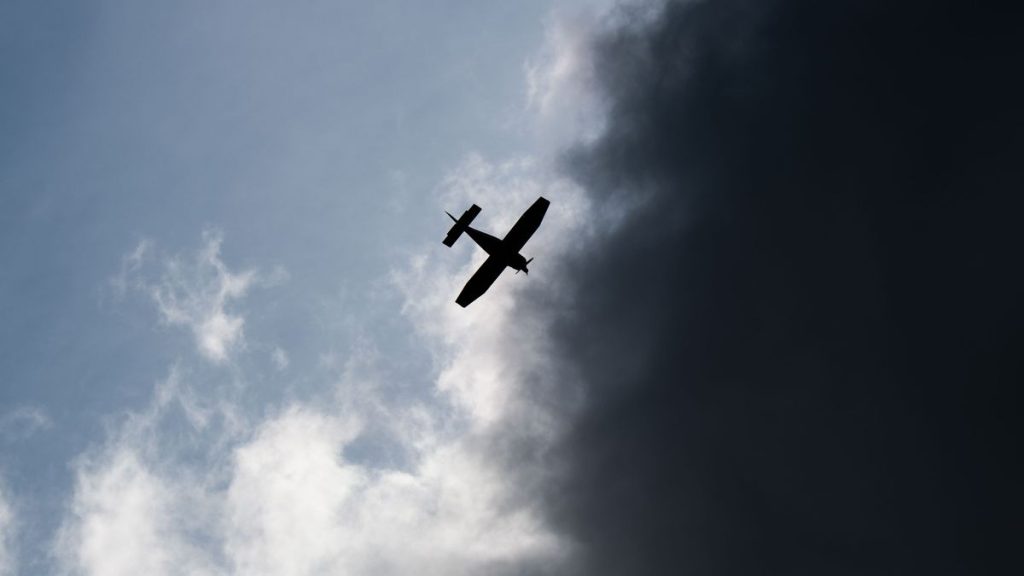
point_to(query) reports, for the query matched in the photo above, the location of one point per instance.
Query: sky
(771, 325)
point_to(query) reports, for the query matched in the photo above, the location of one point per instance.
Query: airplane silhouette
(501, 253)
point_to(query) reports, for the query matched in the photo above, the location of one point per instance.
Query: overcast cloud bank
(796, 349)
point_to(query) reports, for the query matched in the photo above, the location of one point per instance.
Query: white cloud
(560, 93)
(284, 500)
(195, 293)
(287, 489)
(135, 508)
(296, 507)
(125, 519)
(197, 296)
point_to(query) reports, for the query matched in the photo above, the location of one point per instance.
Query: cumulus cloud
(283, 499)
(296, 507)
(281, 492)
(127, 519)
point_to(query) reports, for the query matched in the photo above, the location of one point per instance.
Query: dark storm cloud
(802, 353)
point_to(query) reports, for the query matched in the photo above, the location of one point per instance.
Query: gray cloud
(796, 349)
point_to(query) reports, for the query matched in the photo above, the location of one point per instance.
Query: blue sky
(220, 257)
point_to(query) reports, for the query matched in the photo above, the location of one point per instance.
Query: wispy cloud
(7, 524)
(22, 422)
(196, 292)
(131, 263)
(280, 358)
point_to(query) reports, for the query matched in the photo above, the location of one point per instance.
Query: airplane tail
(460, 225)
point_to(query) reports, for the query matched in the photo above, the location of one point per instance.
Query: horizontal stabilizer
(460, 225)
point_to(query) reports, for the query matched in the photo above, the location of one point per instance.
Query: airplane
(503, 253)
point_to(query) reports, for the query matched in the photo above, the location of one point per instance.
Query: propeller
(524, 267)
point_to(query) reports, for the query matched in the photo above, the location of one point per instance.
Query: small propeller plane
(501, 253)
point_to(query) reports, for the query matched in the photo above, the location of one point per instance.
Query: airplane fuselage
(495, 247)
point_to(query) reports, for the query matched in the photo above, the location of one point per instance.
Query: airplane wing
(481, 281)
(527, 225)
